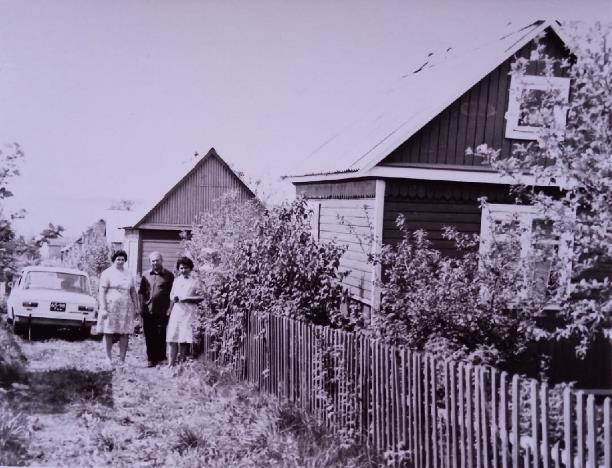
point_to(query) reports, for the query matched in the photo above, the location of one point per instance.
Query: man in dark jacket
(154, 292)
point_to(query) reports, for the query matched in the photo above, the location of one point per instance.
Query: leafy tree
(16, 251)
(579, 160)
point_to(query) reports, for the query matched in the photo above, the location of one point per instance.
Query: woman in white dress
(118, 305)
(182, 311)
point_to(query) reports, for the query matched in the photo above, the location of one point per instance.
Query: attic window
(523, 119)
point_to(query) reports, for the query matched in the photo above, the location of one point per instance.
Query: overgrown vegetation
(14, 433)
(12, 360)
(259, 260)
(14, 436)
(469, 306)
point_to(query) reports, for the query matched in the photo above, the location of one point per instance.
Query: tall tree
(17, 250)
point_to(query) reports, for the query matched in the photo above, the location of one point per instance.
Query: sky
(110, 99)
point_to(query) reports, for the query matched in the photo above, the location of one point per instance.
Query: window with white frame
(523, 119)
(543, 251)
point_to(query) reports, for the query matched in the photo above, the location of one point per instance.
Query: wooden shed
(160, 228)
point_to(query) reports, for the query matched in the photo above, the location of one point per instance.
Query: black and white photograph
(344, 233)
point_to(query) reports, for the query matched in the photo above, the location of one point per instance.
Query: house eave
(483, 176)
(163, 227)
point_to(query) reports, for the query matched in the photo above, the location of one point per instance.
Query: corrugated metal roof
(139, 216)
(415, 99)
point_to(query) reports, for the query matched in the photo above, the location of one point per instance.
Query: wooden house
(408, 156)
(161, 226)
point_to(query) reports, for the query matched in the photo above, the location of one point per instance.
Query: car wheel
(18, 328)
(84, 332)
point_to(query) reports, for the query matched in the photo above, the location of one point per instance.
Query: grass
(238, 426)
(14, 436)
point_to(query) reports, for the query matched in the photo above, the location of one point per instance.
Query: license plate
(58, 307)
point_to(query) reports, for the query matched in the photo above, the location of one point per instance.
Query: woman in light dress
(118, 305)
(182, 311)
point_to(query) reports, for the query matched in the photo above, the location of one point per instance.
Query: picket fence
(415, 409)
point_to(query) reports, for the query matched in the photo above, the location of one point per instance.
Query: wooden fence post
(516, 436)
(544, 447)
(390, 396)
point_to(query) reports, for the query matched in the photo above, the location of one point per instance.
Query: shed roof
(139, 217)
(415, 100)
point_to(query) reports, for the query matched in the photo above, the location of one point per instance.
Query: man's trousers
(154, 328)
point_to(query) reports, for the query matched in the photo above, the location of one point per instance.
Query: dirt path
(79, 413)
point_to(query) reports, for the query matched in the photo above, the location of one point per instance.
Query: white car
(51, 296)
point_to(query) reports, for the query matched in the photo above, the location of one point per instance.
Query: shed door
(170, 250)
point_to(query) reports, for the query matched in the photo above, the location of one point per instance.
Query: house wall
(346, 214)
(196, 194)
(477, 117)
(431, 205)
(130, 245)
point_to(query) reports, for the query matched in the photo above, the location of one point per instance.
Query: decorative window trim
(526, 215)
(502, 212)
(519, 83)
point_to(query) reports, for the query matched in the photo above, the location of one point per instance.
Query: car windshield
(56, 281)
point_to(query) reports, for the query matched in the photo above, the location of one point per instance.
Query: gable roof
(212, 154)
(416, 99)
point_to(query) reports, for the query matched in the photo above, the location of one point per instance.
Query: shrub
(469, 306)
(259, 260)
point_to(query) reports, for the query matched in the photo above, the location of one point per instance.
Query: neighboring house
(51, 249)
(96, 229)
(409, 157)
(109, 227)
(161, 227)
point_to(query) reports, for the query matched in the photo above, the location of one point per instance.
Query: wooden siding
(477, 117)
(364, 188)
(432, 205)
(349, 222)
(196, 193)
(165, 242)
